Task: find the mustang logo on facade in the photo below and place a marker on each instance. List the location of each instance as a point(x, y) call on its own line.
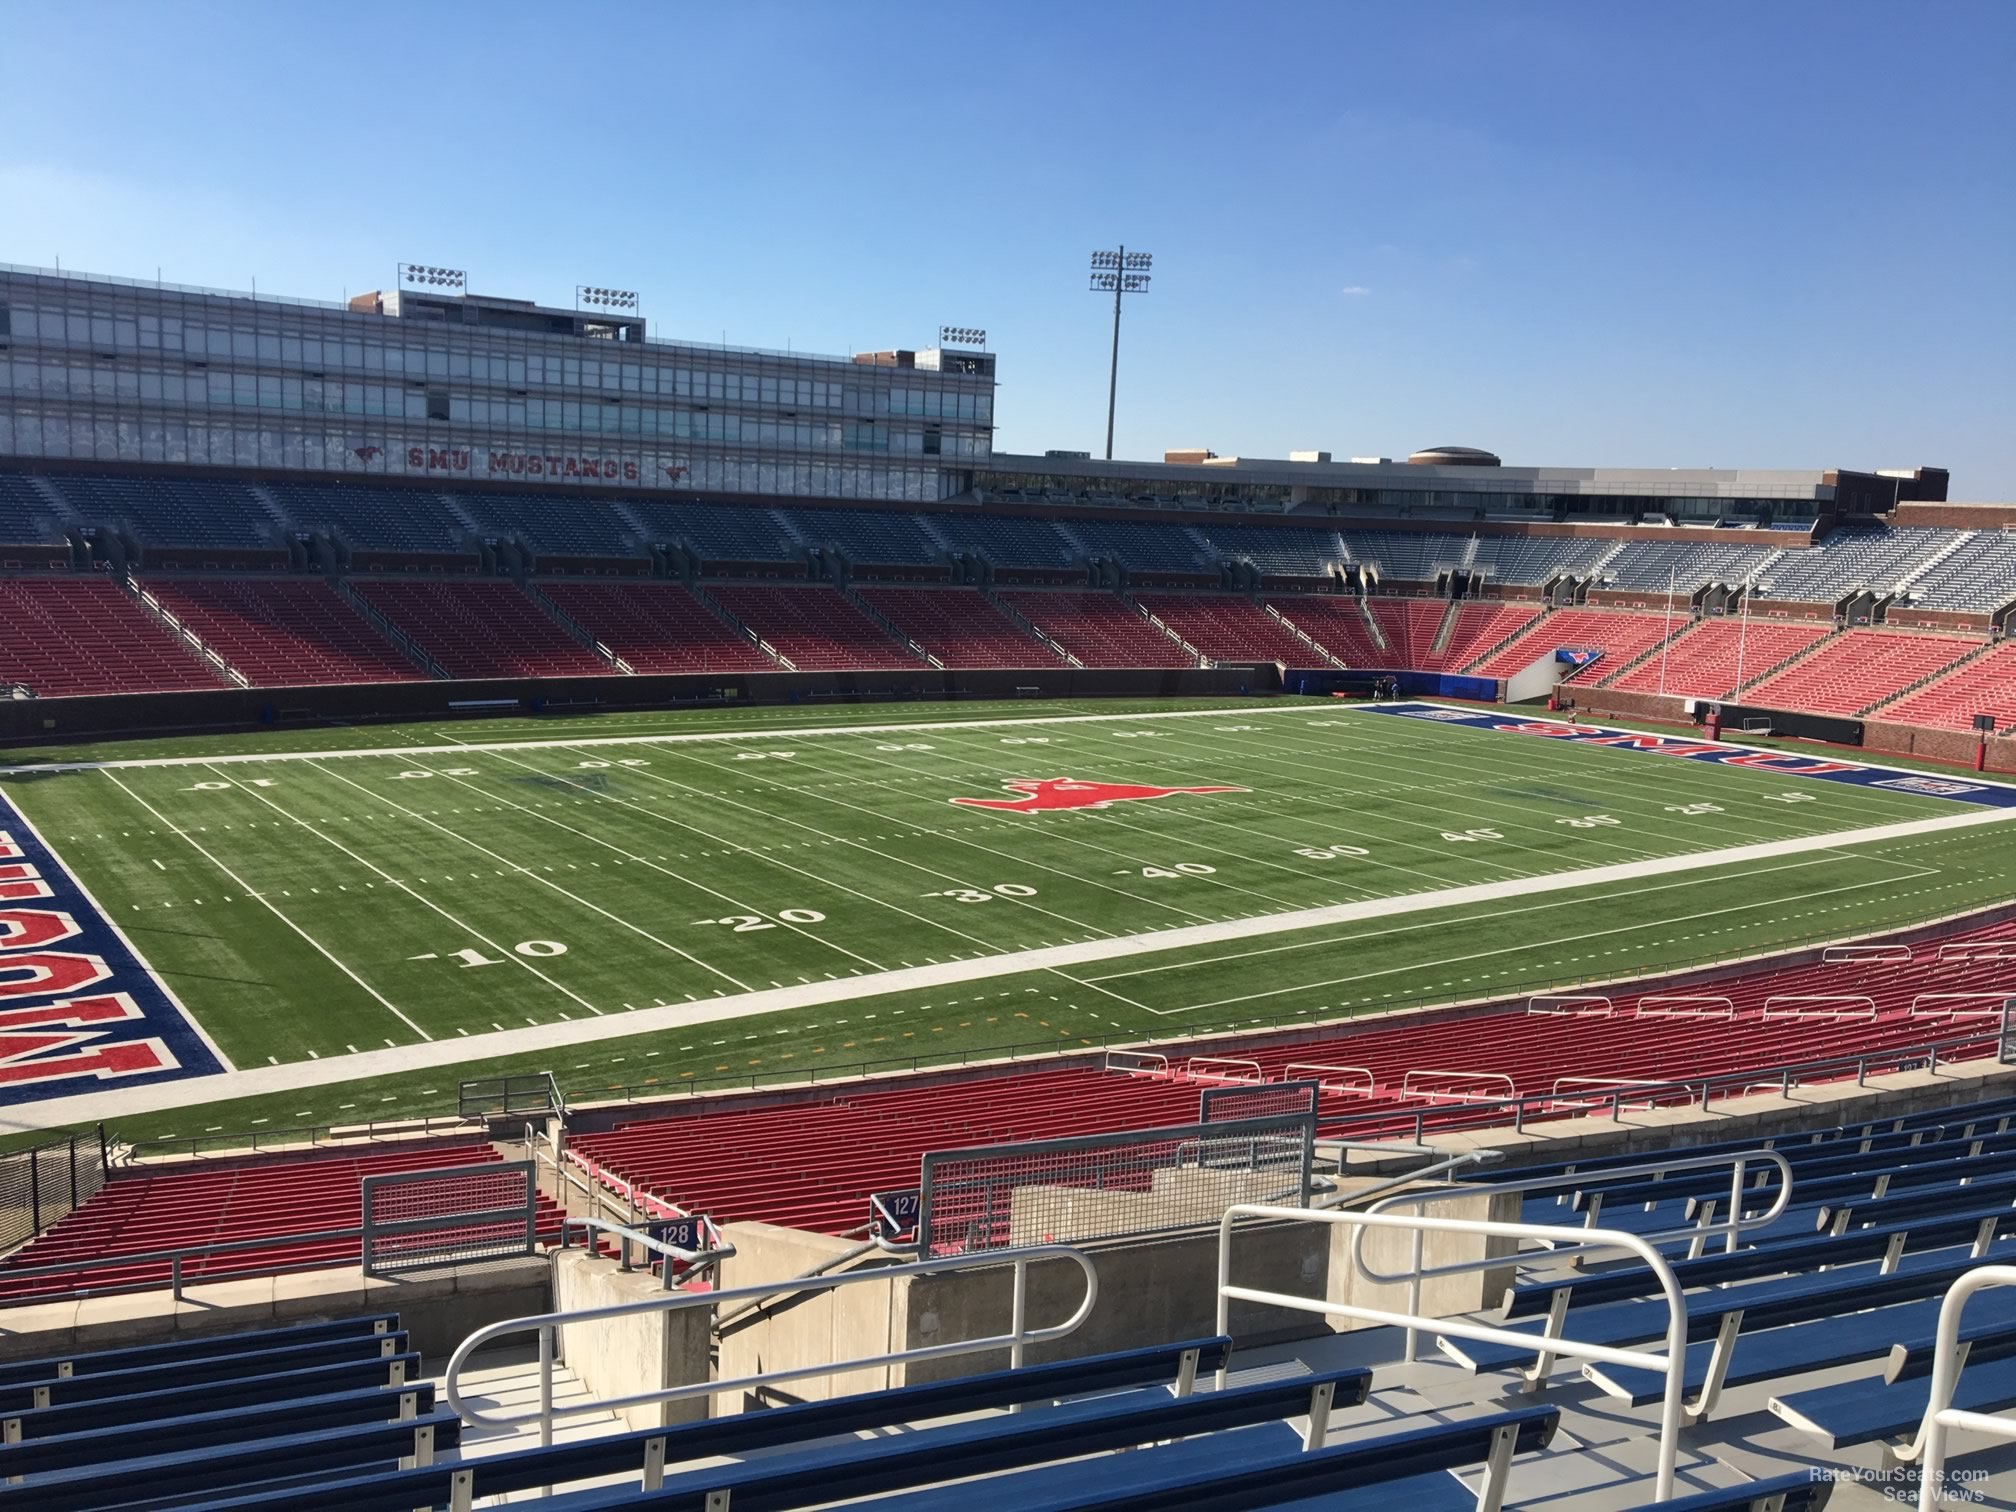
point(1044, 795)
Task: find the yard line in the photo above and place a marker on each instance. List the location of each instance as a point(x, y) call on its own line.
point(1675, 777)
point(1107, 851)
point(127, 1102)
point(1485, 955)
point(422, 899)
point(1444, 822)
point(711, 892)
point(930, 871)
point(520, 867)
point(1478, 918)
point(267, 903)
point(919, 827)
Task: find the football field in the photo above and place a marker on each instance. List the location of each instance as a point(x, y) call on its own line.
point(312, 926)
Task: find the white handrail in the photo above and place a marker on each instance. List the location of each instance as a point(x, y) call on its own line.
point(1671, 1364)
point(1978, 950)
point(1867, 1003)
point(1323, 1073)
point(1248, 1072)
point(1569, 1005)
point(1929, 1448)
point(2000, 1000)
point(1697, 1235)
point(1868, 955)
point(1015, 1341)
point(1641, 1010)
point(1407, 1082)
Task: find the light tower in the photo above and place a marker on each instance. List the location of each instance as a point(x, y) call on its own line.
point(1121, 273)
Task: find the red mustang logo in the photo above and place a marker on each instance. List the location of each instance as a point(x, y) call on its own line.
point(1043, 795)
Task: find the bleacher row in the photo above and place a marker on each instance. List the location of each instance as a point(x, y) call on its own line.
point(1811, 1336)
point(332, 1417)
point(67, 636)
point(1968, 571)
point(751, 1165)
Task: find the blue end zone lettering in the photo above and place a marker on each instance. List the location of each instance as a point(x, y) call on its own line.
point(1789, 763)
point(79, 1009)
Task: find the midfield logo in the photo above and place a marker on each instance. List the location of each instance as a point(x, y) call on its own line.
point(1045, 795)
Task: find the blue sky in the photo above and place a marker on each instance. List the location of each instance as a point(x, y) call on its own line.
point(1701, 234)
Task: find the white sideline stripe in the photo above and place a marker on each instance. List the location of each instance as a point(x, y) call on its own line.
point(297, 1075)
point(801, 731)
point(794, 732)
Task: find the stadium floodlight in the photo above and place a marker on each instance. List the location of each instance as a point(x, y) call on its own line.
point(969, 336)
point(427, 276)
point(595, 297)
point(1118, 273)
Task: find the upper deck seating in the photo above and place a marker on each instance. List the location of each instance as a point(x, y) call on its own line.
point(366, 518)
point(1278, 551)
point(719, 532)
point(1006, 540)
point(554, 525)
point(883, 537)
point(1532, 561)
point(174, 511)
point(1139, 547)
point(1978, 577)
point(1848, 560)
point(26, 517)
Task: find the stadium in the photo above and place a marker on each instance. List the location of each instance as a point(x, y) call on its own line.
point(631, 922)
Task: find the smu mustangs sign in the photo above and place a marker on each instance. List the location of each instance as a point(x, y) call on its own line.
point(1792, 764)
point(78, 1009)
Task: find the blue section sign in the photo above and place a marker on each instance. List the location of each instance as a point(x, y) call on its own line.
point(79, 1010)
point(1790, 763)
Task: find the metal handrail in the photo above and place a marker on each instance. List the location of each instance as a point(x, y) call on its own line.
point(546, 1325)
point(693, 1260)
point(1702, 1088)
point(176, 1257)
point(1671, 1364)
point(1929, 1447)
point(1698, 1234)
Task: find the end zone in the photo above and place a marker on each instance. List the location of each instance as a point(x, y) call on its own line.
point(78, 1005)
point(1723, 753)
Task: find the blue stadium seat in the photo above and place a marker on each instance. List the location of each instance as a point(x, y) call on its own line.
point(412, 520)
point(92, 1386)
point(1868, 1411)
point(816, 1469)
point(168, 1472)
point(1800, 1491)
point(551, 526)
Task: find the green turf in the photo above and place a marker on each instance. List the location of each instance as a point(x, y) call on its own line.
point(358, 870)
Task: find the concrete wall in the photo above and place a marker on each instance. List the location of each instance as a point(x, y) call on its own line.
point(1391, 1252)
point(439, 1308)
point(626, 1356)
point(803, 1328)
